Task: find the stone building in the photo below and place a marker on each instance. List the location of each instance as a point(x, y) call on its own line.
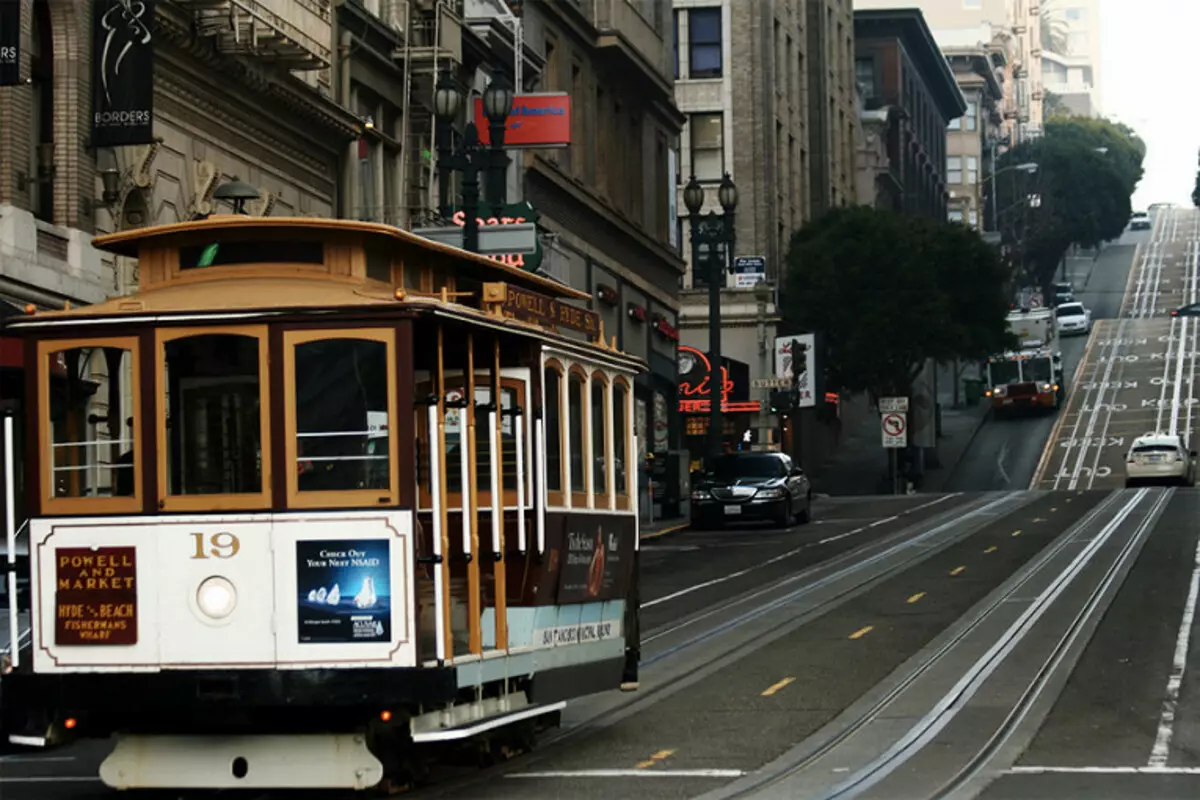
point(768, 90)
point(972, 140)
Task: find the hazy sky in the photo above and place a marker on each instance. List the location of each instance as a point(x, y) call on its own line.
point(1148, 57)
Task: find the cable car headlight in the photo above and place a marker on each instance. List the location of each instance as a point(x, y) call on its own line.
point(216, 597)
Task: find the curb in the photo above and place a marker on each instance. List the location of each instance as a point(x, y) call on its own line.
point(657, 534)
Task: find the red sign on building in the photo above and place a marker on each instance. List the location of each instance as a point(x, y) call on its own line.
point(536, 120)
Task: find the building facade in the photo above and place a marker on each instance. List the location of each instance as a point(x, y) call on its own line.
point(911, 95)
point(1071, 56)
point(972, 139)
point(776, 78)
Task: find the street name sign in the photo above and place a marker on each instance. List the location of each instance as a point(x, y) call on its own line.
point(893, 405)
point(895, 429)
point(771, 383)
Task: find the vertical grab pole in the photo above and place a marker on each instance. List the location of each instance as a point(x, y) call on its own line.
point(636, 496)
point(443, 569)
point(519, 425)
point(435, 479)
point(474, 609)
point(465, 476)
point(539, 503)
point(10, 531)
point(499, 565)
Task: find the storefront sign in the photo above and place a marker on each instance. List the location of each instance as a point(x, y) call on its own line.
point(536, 120)
point(696, 379)
point(10, 42)
point(95, 596)
point(534, 307)
point(344, 591)
point(123, 73)
point(636, 313)
point(514, 213)
point(606, 294)
point(665, 329)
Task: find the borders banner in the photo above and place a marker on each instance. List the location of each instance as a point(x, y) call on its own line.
point(123, 73)
point(10, 42)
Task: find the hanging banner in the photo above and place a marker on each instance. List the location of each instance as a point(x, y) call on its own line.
point(10, 42)
point(123, 73)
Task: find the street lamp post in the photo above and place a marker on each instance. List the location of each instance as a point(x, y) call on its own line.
point(470, 157)
point(712, 242)
point(1028, 167)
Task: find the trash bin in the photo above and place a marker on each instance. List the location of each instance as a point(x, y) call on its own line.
point(972, 390)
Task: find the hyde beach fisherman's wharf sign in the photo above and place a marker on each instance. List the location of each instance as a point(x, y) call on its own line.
point(95, 598)
point(123, 73)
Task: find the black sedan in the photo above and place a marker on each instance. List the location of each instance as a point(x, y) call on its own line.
point(752, 487)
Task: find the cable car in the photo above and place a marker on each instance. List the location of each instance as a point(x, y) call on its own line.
point(320, 495)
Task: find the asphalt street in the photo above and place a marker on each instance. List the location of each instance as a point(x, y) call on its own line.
point(1006, 452)
point(1136, 373)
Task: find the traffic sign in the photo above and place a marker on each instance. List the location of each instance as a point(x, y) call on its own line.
point(771, 383)
point(895, 430)
point(893, 405)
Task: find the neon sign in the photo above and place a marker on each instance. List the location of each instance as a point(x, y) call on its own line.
point(696, 398)
point(514, 213)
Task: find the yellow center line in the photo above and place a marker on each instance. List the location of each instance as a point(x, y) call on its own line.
point(861, 632)
point(775, 687)
point(916, 597)
point(1038, 519)
point(1017, 532)
point(654, 759)
point(1053, 510)
point(957, 570)
point(991, 549)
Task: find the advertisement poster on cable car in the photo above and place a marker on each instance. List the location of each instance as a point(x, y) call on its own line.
point(345, 594)
point(599, 559)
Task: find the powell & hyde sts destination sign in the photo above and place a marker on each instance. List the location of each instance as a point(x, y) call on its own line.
point(530, 306)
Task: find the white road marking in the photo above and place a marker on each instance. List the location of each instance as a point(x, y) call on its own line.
point(633, 773)
point(1104, 770)
point(1000, 463)
point(1166, 722)
point(64, 779)
point(795, 550)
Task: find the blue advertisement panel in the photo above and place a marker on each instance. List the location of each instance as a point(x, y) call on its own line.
point(345, 594)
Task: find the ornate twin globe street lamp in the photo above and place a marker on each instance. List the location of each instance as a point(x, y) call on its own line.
point(471, 156)
point(712, 251)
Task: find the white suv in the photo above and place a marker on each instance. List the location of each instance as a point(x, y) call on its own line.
point(1160, 456)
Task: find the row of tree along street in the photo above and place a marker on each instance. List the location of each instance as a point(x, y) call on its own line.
point(891, 291)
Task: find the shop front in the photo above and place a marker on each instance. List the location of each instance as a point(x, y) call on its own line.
point(697, 386)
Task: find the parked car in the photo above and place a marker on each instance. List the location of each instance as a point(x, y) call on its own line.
point(1073, 318)
point(752, 486)
point(1160, 456)
point(1140, 221)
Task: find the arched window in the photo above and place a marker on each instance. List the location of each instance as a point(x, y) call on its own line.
point(621, 441)
point(600, 426)
point(576, 425)
point(552, 416)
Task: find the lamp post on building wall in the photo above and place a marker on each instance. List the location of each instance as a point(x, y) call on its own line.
point(712, 245)
point(470, 157)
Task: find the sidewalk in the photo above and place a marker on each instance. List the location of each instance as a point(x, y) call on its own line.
point(661, 527)
point(860, 464)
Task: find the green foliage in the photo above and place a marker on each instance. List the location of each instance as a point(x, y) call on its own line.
point(1196, 191)
point(1053, 106)
point(1087, 172)
point(890, 291)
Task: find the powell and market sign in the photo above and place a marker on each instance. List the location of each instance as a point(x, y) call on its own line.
point(123, 73)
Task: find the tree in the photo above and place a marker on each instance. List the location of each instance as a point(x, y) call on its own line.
point(1087, 172)
point(1053, 30)
point(891, 291)
point(1053, 106)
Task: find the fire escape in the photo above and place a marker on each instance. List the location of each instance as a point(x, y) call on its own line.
point(294, 34)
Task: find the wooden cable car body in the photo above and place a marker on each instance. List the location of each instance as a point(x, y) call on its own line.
point(279, 527)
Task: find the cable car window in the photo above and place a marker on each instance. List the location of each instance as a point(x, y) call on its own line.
point(214, 437)
point(342, 432)
point(599, 419)
point(224, 254)
point(90, 412)
point(379, 260)
point(575, 430)
point(620, 435)
point(552, 413)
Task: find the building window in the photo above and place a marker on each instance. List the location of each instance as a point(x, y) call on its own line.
point(708, 151)
point(864, 73)
point(1076, 14)
point(972, 169)
point(972, 115)
point(955, 215)
point(704, 43)
point(954, 169)
point(675, 40)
